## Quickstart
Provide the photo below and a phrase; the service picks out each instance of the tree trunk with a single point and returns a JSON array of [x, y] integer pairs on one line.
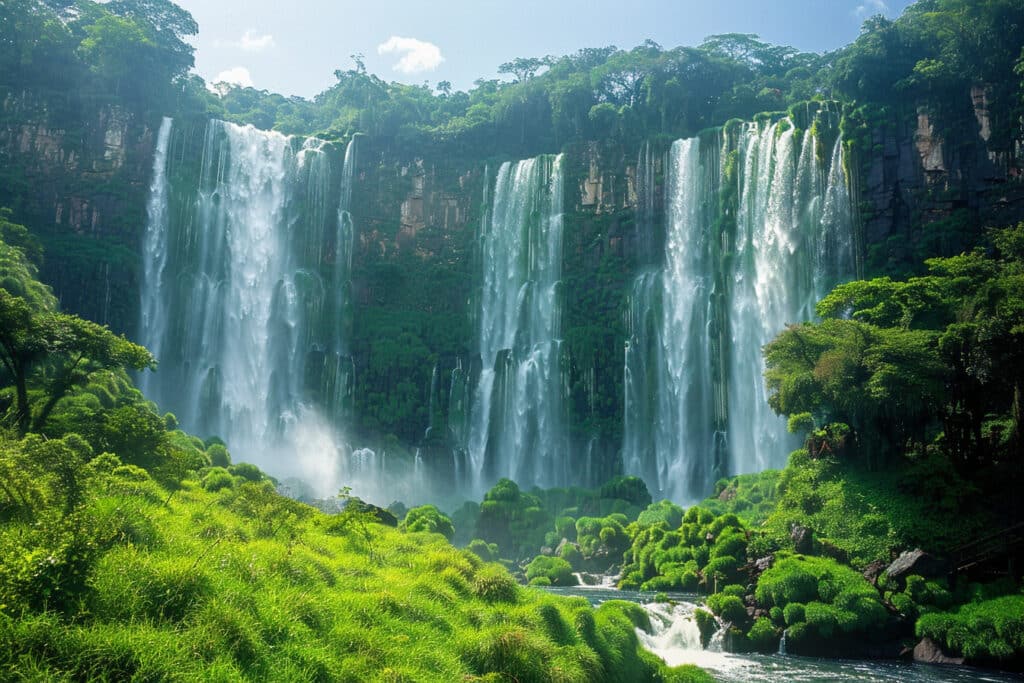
[[21, 392]]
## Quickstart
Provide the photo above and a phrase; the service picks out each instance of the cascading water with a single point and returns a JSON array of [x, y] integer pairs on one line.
[[154, 254], [758, 227], [669, 382], [793, 243], [245, 301], [517, 426]]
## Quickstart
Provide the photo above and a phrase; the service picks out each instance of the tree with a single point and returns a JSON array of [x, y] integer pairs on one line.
[[524, 68], [60, 352], [166, 25]]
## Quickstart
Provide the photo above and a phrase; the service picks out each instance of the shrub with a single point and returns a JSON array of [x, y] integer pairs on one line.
[[793, 613], [488, 552], [493, 584], [663, 512], [706, 624], [571, 554], [789, 580], [991, 630], [762, 636], [247, 471], [428, 518], [557, 570], [218, 454], [729, 607], [216, 479]]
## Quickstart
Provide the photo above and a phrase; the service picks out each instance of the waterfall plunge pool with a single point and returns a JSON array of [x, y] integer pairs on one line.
[[675, 639]]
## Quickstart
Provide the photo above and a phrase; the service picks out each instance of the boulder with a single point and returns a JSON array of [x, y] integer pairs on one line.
[[929, 652], [917, 562], [803, 539], [873, 571]]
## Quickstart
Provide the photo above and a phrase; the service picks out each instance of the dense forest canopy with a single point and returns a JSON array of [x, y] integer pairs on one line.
[[137, 49]]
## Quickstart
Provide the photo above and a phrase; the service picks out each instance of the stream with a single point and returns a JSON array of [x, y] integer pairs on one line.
[[675, 639]]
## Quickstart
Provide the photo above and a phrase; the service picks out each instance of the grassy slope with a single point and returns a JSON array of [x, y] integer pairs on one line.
[[244, 585]]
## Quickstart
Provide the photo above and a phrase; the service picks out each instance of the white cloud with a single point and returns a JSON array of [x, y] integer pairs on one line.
[[251, 42], [236, 75], [417, 55], [870, 8]]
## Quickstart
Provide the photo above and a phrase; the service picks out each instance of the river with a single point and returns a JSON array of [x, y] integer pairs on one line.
[[675, 639]]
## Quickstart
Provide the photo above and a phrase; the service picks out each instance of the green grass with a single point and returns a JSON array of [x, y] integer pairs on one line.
[[240, 584]]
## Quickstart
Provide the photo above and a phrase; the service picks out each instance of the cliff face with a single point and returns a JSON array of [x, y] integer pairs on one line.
[[930, 179], [77, 175]]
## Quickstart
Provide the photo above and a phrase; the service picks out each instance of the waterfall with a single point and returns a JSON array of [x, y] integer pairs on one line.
[[758, 226], [675, 638], [246, 262], [517, 427], [152, 321]]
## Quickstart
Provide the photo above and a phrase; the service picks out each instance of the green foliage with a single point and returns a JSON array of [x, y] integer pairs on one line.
[[986, 631], [631, 489], [867, 513], [428, 518], [751, 497], [663, 512], [218, 454], [556, 570], [216, 479], [493, 584], [488, 552], [728, 607], [703, 552], [829, 605], [914, 360], [763, 637], [706, 624]]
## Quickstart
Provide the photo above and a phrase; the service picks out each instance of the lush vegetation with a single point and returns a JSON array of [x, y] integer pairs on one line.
[[130, 550]]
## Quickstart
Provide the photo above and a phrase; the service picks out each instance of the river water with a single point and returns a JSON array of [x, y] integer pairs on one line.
[[675, 639]]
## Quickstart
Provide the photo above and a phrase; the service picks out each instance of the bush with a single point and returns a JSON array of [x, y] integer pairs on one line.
[[663, 512], [728, 607], [706, 624], [762, 636], [793, 613], [428, 518], [247, 471], [216, 479], [493, 584], [557, 570], [789, 580], [987, 631], [488, 552], [218, 454], [571, 554]]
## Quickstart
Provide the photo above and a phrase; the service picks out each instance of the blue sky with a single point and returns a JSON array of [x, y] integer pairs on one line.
[[294, 47]]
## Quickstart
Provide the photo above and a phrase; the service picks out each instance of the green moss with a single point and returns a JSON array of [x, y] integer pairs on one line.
[[986, 631]]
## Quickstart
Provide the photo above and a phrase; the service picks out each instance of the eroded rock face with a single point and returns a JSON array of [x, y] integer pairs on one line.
[[78, 175], [929, 652]]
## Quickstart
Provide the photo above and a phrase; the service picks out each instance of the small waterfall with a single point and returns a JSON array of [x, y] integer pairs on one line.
[[517, 427], [675, 638], [758, 226], [782, 642]]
